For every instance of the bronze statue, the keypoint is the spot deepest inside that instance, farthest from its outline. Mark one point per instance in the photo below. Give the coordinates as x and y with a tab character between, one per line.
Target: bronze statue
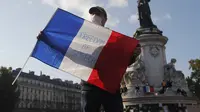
145	14
146	23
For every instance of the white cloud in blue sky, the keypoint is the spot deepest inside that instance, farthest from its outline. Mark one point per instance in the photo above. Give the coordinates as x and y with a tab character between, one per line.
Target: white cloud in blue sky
168	16
117	3
162	18
81	7
133	19
1	51
30	2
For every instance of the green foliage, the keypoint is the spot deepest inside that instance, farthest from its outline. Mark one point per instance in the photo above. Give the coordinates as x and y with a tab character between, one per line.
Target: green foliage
9	93
195	65
194	79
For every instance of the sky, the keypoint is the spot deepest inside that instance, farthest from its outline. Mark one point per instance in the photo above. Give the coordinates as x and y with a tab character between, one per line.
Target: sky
22	20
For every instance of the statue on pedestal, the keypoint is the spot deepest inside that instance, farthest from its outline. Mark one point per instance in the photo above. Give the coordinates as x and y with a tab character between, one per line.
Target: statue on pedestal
146	23
145	14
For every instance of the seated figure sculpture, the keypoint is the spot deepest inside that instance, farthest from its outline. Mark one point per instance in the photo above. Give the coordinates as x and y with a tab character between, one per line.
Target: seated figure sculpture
169	70
136	71
175	77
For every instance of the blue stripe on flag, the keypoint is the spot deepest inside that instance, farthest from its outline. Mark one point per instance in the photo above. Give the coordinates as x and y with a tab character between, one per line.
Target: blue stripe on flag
46	54
57	37
144	88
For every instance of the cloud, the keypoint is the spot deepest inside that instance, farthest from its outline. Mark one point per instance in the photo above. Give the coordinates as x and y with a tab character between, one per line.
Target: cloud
112	21
80	8
30	2
167	16
52	3
133	19
71	5
156	19
1	51
117	3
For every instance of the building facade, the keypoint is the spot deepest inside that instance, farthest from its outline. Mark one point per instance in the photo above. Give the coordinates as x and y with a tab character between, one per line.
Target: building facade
42	93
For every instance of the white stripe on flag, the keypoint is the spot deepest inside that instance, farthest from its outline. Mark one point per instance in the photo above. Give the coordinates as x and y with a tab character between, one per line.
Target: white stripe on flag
85	50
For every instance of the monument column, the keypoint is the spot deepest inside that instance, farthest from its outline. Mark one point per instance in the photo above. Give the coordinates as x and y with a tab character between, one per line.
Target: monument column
142	80
153	56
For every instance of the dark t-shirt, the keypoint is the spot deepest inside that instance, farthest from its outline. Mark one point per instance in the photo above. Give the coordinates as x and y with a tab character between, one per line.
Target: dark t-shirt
87	86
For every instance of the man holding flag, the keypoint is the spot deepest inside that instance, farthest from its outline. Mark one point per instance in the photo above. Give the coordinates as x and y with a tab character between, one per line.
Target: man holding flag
97	55
93	97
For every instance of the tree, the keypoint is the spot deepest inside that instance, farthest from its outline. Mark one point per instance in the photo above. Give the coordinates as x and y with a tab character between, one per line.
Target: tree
9	93
194	79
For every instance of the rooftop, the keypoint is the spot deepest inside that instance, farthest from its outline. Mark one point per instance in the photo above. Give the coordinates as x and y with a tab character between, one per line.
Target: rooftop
46	78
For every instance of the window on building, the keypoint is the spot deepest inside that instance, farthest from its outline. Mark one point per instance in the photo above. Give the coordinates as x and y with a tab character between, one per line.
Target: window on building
41	84
33	82
24	105
36	82
19	79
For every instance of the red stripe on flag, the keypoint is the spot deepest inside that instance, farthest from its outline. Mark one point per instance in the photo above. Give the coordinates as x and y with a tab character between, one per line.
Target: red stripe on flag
151	89
112	62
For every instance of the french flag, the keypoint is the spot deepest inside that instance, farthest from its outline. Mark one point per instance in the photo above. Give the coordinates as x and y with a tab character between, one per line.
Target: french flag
88	51
148	89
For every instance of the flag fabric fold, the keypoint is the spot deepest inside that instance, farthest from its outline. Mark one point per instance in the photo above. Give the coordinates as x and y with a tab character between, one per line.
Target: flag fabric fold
88	51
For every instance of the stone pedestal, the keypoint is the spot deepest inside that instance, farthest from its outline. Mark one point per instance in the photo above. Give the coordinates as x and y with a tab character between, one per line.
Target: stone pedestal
153	55
169	92
151	64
